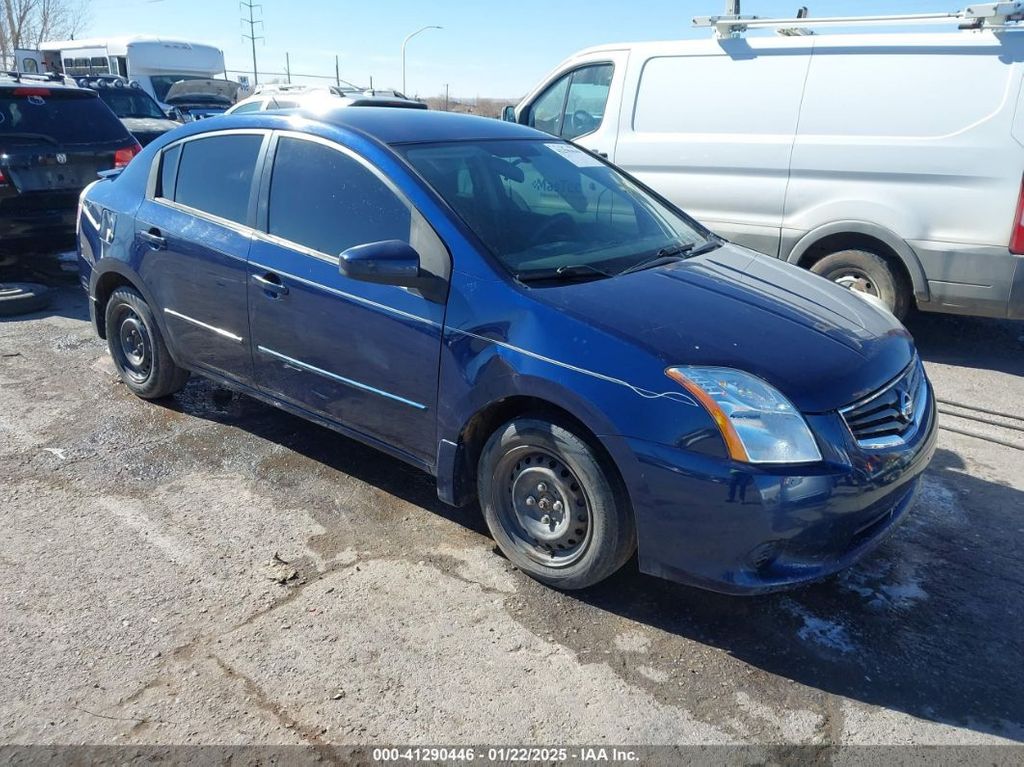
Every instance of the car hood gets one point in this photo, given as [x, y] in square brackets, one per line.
[203, 92]
[819, 344]
[148, 128]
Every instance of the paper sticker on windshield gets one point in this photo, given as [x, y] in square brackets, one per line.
[576, 156]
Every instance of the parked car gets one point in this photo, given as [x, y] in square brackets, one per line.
[889, 163]
[197, 99]
[299, 96]
[527, 323]
[139, 112]
[55, 138]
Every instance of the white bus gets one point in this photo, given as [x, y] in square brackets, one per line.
[156, 63]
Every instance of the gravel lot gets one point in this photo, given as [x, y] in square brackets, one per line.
[142, 602]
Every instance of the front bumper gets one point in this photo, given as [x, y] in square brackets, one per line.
[742, 529]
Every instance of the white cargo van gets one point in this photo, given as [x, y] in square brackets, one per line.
[891, 163]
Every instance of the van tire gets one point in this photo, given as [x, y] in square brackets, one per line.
[138, 349]
[862, 270]
[590, 533]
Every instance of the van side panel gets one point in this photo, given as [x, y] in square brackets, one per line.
[710, 125]
[914, 134]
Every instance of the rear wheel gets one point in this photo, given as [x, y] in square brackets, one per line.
[868, 273]
[551, 505]
[138, 349]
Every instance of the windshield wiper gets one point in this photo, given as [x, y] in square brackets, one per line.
[570, 273]
[673, 253]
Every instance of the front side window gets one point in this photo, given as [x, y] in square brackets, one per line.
[539, 206]
[252, 106]
[328, 201]
[215, 174]
[575, 104]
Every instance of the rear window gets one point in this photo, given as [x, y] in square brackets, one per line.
[69, 117]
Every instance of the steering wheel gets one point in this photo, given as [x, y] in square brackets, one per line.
[553, 224]
[582, 121]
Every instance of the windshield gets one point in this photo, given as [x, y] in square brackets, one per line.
[128, 103]
[162, 83]
[544, 206]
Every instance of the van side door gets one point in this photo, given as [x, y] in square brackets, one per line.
[710, 124]
[581, 102]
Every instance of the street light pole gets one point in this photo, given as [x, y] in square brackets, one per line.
[405, 43]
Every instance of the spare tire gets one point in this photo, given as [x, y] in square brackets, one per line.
[22, 298]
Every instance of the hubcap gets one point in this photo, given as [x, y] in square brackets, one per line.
[857, 281]
[546, 512]
[134, 347]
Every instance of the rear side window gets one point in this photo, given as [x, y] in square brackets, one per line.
[325, 200]
[169, 171]
[68, 117]
[215, 174]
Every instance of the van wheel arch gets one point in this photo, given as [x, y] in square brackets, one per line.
[486, 421]
[832, 244]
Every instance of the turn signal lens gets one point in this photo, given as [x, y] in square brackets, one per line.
[758, 424]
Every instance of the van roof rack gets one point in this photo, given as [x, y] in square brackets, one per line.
[983, 15]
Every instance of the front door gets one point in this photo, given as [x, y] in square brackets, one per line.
[581, 105]
[361, 354]
[193, 240]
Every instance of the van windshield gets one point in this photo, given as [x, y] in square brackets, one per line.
[548, 207]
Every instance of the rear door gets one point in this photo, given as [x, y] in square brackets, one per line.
[364, 355]
[192, 239]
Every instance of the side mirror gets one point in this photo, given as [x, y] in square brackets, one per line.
[390, 262]
[508, 114]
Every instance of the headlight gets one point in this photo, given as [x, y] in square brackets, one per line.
[758, 424]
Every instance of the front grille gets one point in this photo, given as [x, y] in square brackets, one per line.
[886, 417]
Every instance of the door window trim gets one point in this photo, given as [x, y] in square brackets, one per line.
[571, 73]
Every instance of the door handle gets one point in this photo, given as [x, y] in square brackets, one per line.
[271, 283]
[153, 238]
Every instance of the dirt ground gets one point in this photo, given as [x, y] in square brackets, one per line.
[212, 570]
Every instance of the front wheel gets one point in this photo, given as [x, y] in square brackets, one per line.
[138, 349]
[868, 274]
[551, 505]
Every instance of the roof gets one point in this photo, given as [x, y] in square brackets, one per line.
[121, 40]
[399, 126]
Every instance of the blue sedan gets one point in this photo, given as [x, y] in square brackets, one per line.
[527, 323]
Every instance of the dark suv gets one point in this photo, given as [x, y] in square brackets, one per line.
[55, 140]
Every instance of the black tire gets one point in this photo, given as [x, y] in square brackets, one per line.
[864, 271]
[138, 349]
[22, 298]
[590, 537]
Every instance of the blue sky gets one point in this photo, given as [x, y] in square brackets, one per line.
[485, 48]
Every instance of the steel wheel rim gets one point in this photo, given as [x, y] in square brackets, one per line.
[134, 347]
[857, 281]
[543, 507]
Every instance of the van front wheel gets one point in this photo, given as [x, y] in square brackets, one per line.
[867, 273]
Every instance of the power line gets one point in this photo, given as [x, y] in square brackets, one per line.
[252, 37]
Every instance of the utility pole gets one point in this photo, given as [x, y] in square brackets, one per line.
[446, 97]
[732, 7]
[337, 72]
[252, 37]
[287, 66]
